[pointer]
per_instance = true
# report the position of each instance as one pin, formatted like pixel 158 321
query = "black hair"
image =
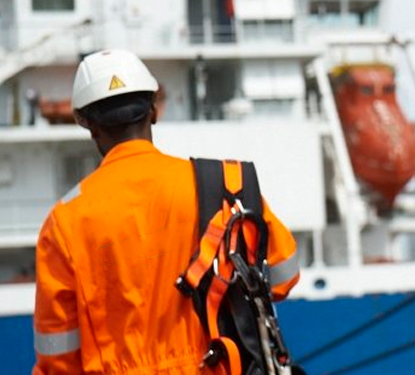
pixel 119 111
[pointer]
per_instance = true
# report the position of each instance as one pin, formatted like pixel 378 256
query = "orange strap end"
pixel 232 171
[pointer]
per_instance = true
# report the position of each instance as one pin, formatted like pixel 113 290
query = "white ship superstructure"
pixel 243 79
pixel 219 70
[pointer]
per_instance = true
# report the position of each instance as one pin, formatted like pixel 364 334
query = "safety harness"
pixel 227 276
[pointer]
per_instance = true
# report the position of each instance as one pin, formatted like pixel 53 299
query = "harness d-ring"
pixel 219 276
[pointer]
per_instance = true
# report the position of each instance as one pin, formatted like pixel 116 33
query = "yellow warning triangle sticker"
pixel 116 83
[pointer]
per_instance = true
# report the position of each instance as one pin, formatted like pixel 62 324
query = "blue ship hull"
pixel 372 335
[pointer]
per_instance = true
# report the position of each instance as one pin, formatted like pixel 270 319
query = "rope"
pixel 375 358
pixel 382 316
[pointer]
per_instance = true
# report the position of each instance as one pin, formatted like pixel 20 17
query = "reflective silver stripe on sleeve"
pixel 72 194
pixel 57 343
pixel 284 271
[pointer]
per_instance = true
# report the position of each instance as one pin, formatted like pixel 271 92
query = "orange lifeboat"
pixel 57 111
pixel 380 140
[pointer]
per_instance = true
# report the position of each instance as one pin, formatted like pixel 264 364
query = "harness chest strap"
pixel 216 292
pixel 209 246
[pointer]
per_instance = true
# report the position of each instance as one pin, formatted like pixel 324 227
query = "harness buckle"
pixel 241 207
pixel 213 356
pixel 183 286
pixel 219 276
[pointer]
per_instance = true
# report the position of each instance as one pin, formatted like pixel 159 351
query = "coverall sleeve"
pixel 282 256
pixel 56 332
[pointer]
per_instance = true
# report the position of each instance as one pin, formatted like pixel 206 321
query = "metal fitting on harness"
pixel 213 355
pixel 242 209
pixel 219 276
pixel 183 286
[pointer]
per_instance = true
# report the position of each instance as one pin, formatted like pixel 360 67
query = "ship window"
pixel 367 12
pixel 268 29
pixel 367 90
pixel 324 7
pixel 272 107
pixel 53 5
pixel 388 89
pixel 343 14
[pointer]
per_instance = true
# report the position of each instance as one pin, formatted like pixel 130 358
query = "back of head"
pixel 112 88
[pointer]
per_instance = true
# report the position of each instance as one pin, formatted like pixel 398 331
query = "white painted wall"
pixel 264 9
pixel 54 82
pixel 31 182
pixel 26 198
pixel 51 82
pixel 272 79
pixel 32 26
pixel 174 76
pixel 142 24
pixel 398 19
pixel 287 156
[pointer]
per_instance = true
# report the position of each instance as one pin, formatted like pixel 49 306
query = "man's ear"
pixel 154 114
pixel 94 130
pixel 82 121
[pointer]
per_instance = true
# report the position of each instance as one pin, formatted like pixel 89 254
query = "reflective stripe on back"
pixel 72 194
pixel 284 271
pixel 57 343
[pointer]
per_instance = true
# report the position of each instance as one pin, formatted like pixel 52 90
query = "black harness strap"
pixel 211 189
pixel 245 310
pixel 211 193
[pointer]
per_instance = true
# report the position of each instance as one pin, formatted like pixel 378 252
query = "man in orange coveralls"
pixel 111 250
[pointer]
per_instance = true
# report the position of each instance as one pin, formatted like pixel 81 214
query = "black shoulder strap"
pixel 252 195
pixel 211 189
pixel 239 326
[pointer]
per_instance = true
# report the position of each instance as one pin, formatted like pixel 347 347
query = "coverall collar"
pixel 128 148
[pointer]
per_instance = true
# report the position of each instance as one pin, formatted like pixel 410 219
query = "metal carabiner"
pixel 254 217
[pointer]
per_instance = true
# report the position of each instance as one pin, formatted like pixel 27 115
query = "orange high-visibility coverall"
pixel 107 260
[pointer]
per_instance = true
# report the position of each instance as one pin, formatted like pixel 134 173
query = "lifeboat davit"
pixel 380 140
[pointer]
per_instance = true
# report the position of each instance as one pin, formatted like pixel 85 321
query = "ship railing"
pixel 214 34
pixel 314 17
pixel 254 109
pixel 276 31
pixel 312 32
pixel 234 32
pixel 241 33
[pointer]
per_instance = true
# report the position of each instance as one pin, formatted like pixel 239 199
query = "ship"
pixel 278 83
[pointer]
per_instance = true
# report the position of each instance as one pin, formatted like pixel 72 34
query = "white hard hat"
pixel 109 73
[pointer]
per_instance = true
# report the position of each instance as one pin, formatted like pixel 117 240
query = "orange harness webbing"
pixel 212 252
pixel 227 276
